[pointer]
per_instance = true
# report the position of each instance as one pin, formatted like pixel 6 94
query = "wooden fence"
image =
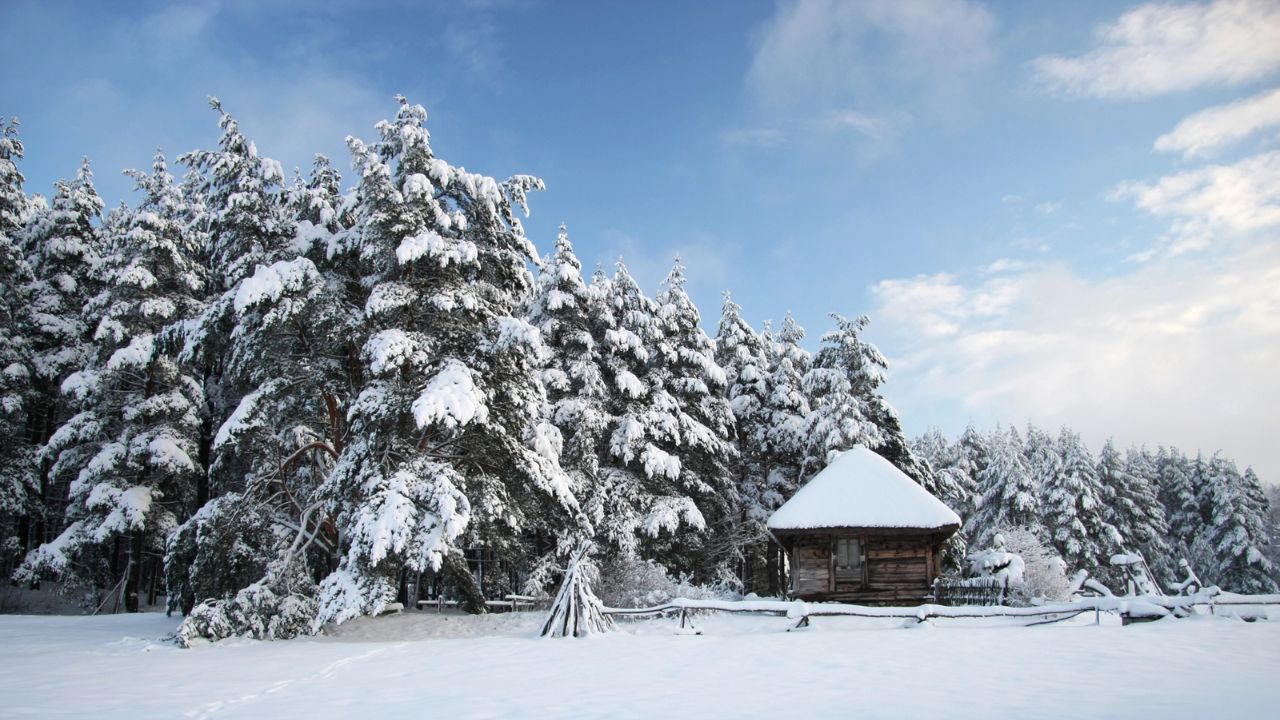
pixel 1129 608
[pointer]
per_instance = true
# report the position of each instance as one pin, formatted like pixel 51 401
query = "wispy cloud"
pixel 1177 350
pixel 1207 131
pixel 1162 48
pixel 830 67
pixel 1215 202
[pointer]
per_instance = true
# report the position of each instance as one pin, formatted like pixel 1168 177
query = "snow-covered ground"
pixel 452 666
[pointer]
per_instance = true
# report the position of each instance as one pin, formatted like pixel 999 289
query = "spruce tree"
pixel 1074 510
pixel 63 246
pixel 128 455
pixel 744 355
pixel 446 446
pixel 692 384
pixel 1007 494
pixel 1135 511
pixel 786 407
pixel 650 505
pixel 844 374
pixel 19 481
pixel 1177 495
pixel 566 313
pixel 1235 538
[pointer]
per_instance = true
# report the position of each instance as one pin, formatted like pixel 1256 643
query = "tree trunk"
pixel 133 571
pixel 771 567
pixel 472 597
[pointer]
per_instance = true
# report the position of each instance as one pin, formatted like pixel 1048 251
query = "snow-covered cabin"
pixel 862 531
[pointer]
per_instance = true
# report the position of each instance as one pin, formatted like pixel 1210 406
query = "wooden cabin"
pixel 861 531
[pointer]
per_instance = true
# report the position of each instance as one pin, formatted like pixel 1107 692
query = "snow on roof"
pixel 861 489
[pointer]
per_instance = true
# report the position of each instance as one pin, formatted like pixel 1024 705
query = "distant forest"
pixel 286 402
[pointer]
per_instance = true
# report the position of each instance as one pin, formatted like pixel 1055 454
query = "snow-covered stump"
pixel 576 612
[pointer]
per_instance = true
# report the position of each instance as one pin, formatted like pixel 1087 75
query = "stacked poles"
pixel 577 612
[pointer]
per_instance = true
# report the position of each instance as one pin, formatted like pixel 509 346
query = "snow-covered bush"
pixel 280 606
pixel 1030 570
pixel 629 582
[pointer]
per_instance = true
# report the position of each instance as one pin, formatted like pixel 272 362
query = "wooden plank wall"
pixel 897 564
pixel 812 566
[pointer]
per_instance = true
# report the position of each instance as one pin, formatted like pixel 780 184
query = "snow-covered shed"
pixel 862 531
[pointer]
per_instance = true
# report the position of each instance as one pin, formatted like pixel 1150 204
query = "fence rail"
pixel 1139 607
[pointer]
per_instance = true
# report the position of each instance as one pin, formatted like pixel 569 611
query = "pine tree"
pixel 951 484
pixel 19 481
pixel 1074 510
pixel 1044 465
pixel 744 355
pixel 692 384
pixel 282 340
pixel 1236 537
pixel 1177 495
pixel 566 312
pixel 1135 511
pixel 241 213
pixel 446 447
pixel 128 454
pixel 647 501
pixel 248 224
pixel 787 408
pixel 64 251
pixel 1007 495
pixel 845 373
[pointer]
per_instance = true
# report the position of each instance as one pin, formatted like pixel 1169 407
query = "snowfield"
pixel 423 664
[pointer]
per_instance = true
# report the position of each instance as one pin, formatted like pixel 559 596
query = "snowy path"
pixel 457 667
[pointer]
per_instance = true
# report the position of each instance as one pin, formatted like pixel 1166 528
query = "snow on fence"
pixel 1133 607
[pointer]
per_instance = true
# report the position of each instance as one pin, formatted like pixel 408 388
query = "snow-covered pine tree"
pixel 1273 525
pixel 1044 465
pixel 1007 496
pixel 248 224
pixel 692 384
pixel 63 247
pixel 786 407
pixel 1074 510
pixel 291 329
pixel 1135 511
pixel 564 310
pixel 744 355
pixel 19 481
pixel 975 451
pixel 1235 538
pixel 128 455
pixel 242 216
pixel 843 378
pixel 952 485
pixel 446 444
pixel 1177 494
pixel 318 203
pixel 648 503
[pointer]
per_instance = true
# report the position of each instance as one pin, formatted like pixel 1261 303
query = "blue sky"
pixel 1063 212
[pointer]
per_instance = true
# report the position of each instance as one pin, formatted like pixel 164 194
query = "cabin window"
pixel 848 556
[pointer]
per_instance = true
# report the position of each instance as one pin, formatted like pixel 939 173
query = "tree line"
pixel 286 402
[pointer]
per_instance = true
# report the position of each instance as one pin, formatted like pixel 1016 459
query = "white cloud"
pixel 1161 48
pixel 1213 201
pixel 838 66
pixel 1178 351
pixel 1208 130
